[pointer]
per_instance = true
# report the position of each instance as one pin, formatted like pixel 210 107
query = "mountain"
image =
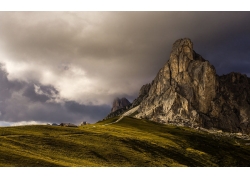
pixel 119 107
pixel 188 92
pixel 119 104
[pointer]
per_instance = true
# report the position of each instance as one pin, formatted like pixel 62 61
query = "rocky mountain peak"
pixel 182 47
pixel 188 92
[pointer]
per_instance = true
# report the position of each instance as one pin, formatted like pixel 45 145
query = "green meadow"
pixel 129 143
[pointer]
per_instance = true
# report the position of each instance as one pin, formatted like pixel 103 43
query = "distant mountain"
pixel 119 104
pixel 188 92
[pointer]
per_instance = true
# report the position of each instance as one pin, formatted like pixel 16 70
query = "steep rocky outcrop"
pixel 143 93
pixel 119 104
pixel 230 110
pixel 187 91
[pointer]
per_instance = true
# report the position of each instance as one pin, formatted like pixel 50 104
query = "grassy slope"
pixel 130 142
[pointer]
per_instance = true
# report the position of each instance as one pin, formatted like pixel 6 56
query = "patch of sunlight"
pixel 191 150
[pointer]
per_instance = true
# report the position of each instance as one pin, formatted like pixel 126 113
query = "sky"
pixel 69 66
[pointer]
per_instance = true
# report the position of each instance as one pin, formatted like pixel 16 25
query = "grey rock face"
pixel 142 94
pixel 119 104
pixel 230 109
pixel 187 91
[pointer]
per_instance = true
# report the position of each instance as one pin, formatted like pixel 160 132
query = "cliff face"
pixel 230 110
pixel 187 91
pixel 143 93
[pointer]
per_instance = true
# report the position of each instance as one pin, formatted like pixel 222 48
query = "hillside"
pixel 130 142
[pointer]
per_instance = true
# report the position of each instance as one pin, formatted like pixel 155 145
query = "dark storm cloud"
pixel 51 112
pixel 93 57
pixel 39 92
pixel 54 112
pixel 96 112
pixel 32 95
pixel 5 87
pixel 22 101
pixel 117 39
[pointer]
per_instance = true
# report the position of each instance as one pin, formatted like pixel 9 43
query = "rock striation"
pixel 188 92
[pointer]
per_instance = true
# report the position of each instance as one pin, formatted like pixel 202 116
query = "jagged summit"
pixel 182 47
pixel 181 88
pixel 187 91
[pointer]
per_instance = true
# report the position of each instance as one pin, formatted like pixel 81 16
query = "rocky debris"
pixel 222 133
pixel 84 123
pixel 68 125
pixel 120 103
pixel 187 92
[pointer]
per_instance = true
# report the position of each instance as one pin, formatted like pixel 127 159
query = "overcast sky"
pixel 69 66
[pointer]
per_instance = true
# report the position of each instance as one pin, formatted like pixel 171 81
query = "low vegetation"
pixel 130 142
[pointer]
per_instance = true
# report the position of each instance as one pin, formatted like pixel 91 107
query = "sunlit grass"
pixel 130 142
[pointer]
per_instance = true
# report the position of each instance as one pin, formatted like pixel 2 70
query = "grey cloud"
pixel 20 101
pixel 95 112
pixel 5 91
pixel 118 35
pixel 4 88
pixel 21 109
pixel 16 85
pixel 45 95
